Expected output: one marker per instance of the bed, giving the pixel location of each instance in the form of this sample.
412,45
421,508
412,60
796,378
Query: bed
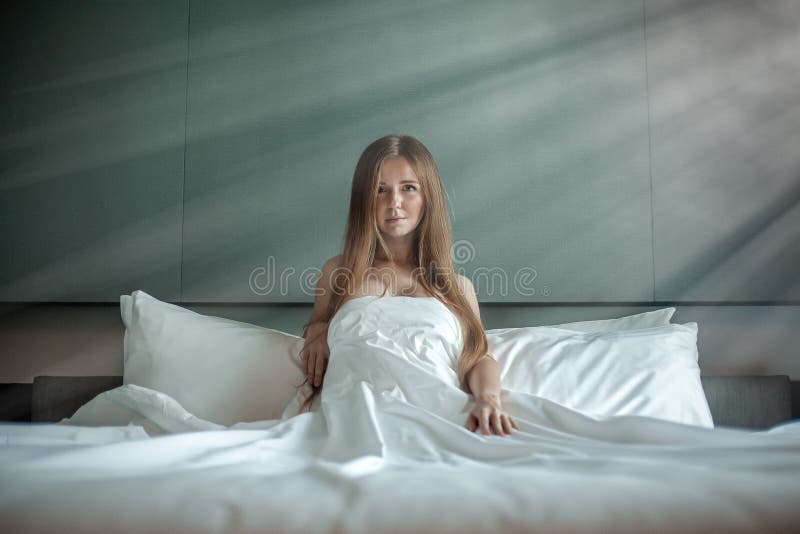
131,458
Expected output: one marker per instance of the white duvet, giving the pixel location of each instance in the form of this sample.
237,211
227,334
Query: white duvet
388,449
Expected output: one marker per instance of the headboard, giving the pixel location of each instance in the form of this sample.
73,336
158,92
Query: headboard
738,401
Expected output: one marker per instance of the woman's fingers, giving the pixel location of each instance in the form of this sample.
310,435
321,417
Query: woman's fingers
506,420
472,423
485,422
496,424
318,369
314,357
309,365
303,357
491,422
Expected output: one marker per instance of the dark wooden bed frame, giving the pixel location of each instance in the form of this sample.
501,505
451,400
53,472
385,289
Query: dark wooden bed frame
756,402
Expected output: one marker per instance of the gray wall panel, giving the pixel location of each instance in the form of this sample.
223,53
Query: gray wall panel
553,168
92,110
725,108
536,114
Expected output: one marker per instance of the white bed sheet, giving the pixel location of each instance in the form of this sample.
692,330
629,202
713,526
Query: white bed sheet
376,457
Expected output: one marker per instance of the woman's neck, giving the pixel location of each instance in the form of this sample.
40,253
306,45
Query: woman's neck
402,260
402,251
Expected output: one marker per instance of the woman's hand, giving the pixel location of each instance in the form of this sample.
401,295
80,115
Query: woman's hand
315,352
490,416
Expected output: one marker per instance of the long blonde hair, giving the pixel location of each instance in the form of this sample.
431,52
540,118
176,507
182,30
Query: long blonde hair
432,244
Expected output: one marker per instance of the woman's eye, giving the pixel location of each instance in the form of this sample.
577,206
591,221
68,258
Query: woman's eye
413,188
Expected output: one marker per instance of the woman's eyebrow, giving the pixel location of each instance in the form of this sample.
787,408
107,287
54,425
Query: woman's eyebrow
403,182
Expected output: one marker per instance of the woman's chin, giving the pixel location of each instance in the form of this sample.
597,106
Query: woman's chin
399,230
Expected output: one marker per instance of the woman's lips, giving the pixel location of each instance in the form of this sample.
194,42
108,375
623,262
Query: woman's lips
397,219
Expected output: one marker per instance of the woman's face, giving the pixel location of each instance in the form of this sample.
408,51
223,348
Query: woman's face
399,204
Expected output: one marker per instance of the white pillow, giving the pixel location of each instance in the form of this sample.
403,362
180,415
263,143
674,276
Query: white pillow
650,372
220,370
629,322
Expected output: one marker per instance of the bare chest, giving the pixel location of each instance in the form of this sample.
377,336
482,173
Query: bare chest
390,281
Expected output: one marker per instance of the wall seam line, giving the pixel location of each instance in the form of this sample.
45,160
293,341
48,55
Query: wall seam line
185,146
649,147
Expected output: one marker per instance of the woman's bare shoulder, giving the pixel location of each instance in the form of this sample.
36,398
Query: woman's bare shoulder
332,263
324,289
465,284
468,290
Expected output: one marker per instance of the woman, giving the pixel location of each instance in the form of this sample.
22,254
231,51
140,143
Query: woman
398,225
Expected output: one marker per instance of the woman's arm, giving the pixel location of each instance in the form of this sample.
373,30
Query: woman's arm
324,290
314,328
487,413
315,350
484,380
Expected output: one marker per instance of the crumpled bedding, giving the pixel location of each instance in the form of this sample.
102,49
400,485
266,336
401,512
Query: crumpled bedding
388,449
